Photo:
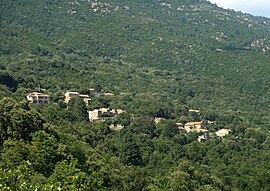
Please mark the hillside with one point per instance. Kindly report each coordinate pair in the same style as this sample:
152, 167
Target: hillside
160, 59
203, 48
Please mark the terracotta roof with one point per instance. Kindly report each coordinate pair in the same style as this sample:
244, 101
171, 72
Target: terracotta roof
108, 94
179, 124
193, 123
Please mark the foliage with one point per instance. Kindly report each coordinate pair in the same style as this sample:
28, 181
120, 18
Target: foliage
160, 60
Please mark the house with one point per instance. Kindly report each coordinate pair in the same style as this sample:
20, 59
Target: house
195, 127
180, 126
97, 113
158, 120
108, 94
38, 98
95, 91
203, 138
119, 111
72, 95
94, 115
86, 99
223, 132
208, 122
104, 110
194, 110
118, 127
116, 111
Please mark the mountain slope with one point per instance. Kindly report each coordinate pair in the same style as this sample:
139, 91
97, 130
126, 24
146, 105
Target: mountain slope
220, 55
180, 60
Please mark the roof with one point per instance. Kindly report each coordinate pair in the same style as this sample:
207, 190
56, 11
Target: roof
179, 124
72, 92
222, 132
95, 110
202, 138
104, 109
36, 93
108, 94
203, 130
84, 96
194, 110
193, 123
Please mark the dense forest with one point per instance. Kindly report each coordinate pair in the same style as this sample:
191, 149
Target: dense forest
159, 59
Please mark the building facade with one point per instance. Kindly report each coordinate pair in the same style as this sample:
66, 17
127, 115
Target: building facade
38, 98
72, 95
195, 127
94, 115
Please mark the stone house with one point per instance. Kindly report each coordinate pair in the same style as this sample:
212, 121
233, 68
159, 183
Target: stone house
72, 95
195, 127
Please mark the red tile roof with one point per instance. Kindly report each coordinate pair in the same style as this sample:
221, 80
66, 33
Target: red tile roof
193, 123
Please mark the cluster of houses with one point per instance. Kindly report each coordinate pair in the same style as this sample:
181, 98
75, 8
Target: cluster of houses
220, 133
97, 114
41, 98
102, 113
199, 127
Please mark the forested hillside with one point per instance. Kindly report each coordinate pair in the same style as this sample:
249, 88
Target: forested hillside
159, 59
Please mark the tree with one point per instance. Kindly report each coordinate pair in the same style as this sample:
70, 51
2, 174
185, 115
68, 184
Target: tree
187, 178
8, 80
13, 153
78, 109
124, 119
67, 177
167, 129
21, 178
130, 151
144, 125
44, 152
18, 121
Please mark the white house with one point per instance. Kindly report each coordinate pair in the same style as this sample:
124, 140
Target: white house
223, 132
38, 98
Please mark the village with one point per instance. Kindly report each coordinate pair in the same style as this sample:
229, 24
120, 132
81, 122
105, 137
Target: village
101, 114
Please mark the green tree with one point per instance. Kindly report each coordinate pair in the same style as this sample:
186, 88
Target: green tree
21, 178
18, 121
67, 177
77, 108
167, 129
130, 151
44, 152
8, 80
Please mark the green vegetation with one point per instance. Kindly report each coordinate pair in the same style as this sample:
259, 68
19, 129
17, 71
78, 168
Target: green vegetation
41, 152
159, 59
